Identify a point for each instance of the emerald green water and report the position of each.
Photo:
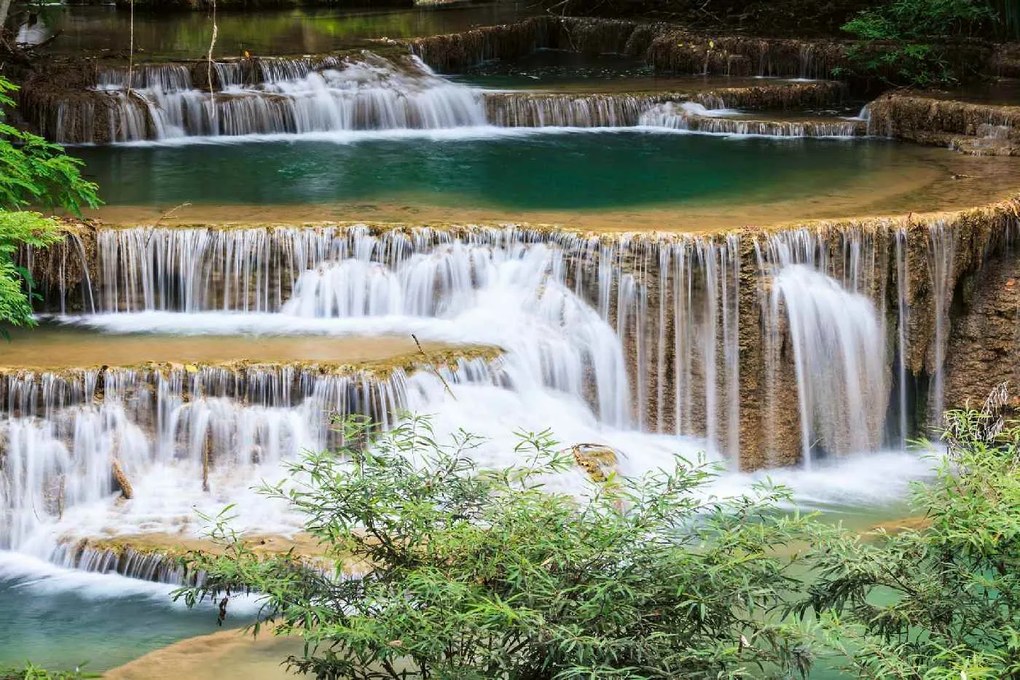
(60, 619)
(559, 171)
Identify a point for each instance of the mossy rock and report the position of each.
(598, 461)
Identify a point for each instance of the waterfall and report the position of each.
(902, 319)
(761, 350)
(336, 96)
(279, 96)
(696, 117)
(544, 325)
(513, 109)
(61, 432)
(942, 253)
(838, 349)
(665, 314)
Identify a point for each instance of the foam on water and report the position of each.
(41, 578)
(560, 310)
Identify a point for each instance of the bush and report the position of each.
(33, 672)
(943, 600)
(470, 573)
(905, 39)
(32, 172)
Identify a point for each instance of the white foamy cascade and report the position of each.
(62, 432)
(551, 333)
(287, 97)
(695, 117)
(637, 341)
(838, 349)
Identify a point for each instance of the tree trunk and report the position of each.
(5, 6)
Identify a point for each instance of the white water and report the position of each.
(839, 347)
(695, 117)
(586, 353)
(344, 100)
(286, 97)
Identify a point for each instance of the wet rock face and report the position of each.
(597, 461)
(708, 344)
(984, 347)
(977, 129)
(669, 48)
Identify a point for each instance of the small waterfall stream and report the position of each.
(838, 348)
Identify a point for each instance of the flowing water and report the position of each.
(628, 342)
(639, 353)
(195, 361)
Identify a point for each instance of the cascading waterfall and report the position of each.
(336, 96)
(279, 96)
(61, 432)
(941, 268)
(838, 348)
(640, 340)
(902, 317)
(674, 304)
(565, 339)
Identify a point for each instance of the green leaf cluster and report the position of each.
(470, 573)
(942, 600)
(905, 40)
(33, 172)
(33, 672)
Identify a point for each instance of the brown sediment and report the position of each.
(173, 546)
(894, 526)
(224, 655)
(435, 356)
(56, 348)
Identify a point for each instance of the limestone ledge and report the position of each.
(169, 558)
(669, 48)
(976, 129)
(378, 368)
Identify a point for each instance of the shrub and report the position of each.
(904, 40)
(942, 600)
(471, 573)
(33, 672)
(33, 172)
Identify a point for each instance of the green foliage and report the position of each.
(19, 229)
(33, 672)
(905, 39)
(941, 601)
(32, 172)
(1008, 12)
(472, 574)
(36, 172)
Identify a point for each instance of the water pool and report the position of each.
(566, 176)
